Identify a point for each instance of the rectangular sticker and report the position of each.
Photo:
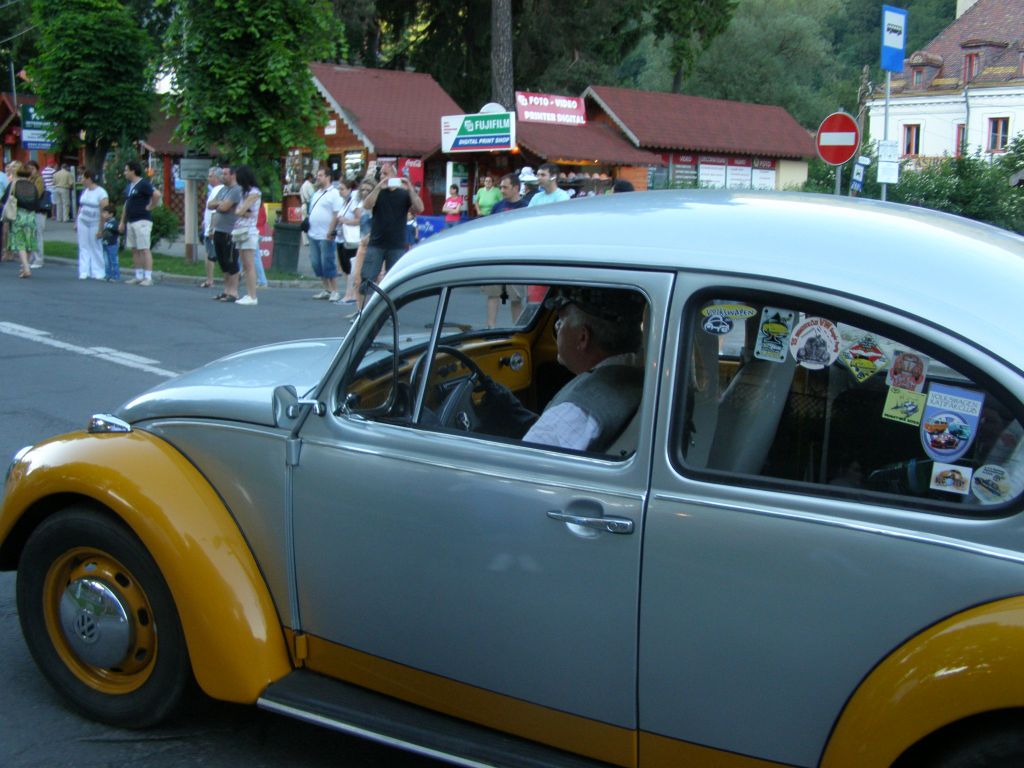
(951, 478)
(904, 406)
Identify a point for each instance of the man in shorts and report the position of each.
(390, 202)
(137, 221)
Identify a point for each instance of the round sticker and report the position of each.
(815, 343)
(945, 433)
(992, 484)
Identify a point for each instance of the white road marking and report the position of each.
(126, 359)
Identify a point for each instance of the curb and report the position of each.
(170, 279)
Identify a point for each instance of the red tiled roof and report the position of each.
(593, 141)
(393, 112)
(161, 130)
(673, 121)
(992, 28)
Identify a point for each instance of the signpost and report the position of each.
(837, 140)
(894, 41)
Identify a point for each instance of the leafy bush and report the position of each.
(166, 225)
(974, 186)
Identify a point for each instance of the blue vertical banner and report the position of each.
(894, 38)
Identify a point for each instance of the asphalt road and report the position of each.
(71, 348)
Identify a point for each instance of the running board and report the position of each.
(357, 711)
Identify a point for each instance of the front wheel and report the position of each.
(99, 620)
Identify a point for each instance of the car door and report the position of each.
(428, 566)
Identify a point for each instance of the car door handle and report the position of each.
(607, 524)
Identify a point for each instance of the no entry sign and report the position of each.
(838, 138)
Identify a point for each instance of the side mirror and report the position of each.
(285, 401)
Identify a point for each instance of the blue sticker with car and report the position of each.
(950, 421)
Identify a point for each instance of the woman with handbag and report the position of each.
(245, 235)
(94, 198)
(22, 239)
(35, 258)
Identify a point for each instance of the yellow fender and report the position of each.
(235, 641)
(969, 664)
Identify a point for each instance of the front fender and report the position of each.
(235, 641)
(967, 665)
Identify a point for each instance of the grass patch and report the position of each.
(162, 262)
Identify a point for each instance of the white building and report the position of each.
(964, 89)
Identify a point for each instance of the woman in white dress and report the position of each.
(90, 246)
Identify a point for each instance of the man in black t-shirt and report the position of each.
(137, 221)
(390, 203)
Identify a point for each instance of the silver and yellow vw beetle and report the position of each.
(791, 537)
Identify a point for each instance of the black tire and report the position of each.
(148, 681)
(980, 743)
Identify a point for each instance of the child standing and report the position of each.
(108, 231)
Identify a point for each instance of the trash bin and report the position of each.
(287, 239)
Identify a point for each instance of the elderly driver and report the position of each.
(598, 335)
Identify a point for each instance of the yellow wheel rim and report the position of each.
(136, 645)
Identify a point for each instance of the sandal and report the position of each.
(228, 298)
(25, 273)
(219, 297)
(206, 284)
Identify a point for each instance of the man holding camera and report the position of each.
(389, 202)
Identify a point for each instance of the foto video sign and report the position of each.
(550, 109)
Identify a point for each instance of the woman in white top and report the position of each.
(248, 212)
(90, 246)
(347, 237)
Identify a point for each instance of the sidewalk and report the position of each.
(65, 233)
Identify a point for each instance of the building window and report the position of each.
(911, 140)
(918, 77)
(961, 140)
(972, 62)
(998, 133)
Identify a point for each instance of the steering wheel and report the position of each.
(457, 411)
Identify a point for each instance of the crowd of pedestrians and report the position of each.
(356, 232)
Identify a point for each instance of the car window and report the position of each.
(371, 387)
(496, 366)
(796, 395)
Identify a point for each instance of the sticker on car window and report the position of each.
(720, 318)
(904, 406)
(773, 334)
(908, 370)
(993, 485)
(950, 421)
(815, 343)
(862, 353)
(950, 478)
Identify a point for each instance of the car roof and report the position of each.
(947, 270)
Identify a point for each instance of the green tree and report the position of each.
(93, 74)
(689, 28)
(774, 52)
(241, 75)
